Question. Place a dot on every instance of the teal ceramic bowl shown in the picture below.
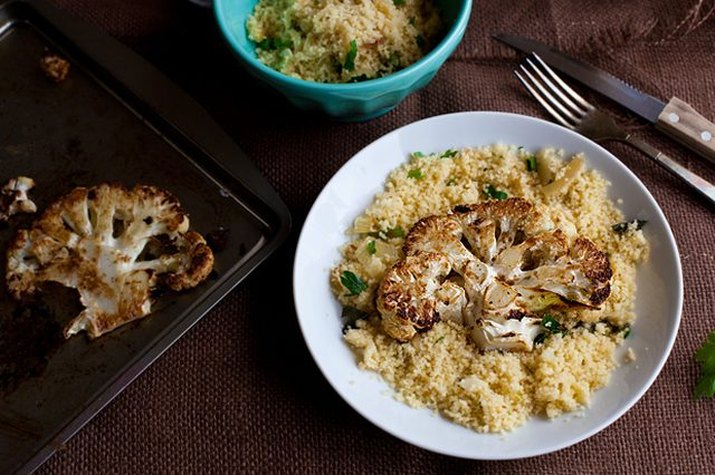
(352, 101)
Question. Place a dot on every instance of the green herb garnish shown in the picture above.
(449, 153)
(439, 339)
(622, 228)
(416, 173)
(412, 20)
(551, 324)
(397, 231)
(706, 356)
(353, 283)
(398, 3)
(451, 182)
(271, 44)
(494, 193)
(371, 248)
(417, 154)
(349, 64)
(531, 163)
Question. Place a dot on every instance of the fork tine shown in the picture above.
(536, 95)
(565, 87)
(548, 95)
(565, 100)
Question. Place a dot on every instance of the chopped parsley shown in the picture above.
(494, 193)
(439, 339)
(397, 231)
(531, 163)
(398, 3)
(449, 153)
(411, 21)
(394, 59)
(451, 182)
(349, 64)
(271, 44)
(624, 227)
(706, 356)
(552, 325)
(353, 283)
(371, 248)
(417, 154)
(416, 173)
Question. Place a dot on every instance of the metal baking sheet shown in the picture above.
(115, 118)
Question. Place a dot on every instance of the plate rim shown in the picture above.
(670, 241)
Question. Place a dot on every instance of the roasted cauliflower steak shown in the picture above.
(494, 266)
(115, 246)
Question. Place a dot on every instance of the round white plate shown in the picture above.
(351, 190)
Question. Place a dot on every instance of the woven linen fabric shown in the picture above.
(240, 392)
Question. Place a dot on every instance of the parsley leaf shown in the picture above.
(397, 231)
(270, 44)
(398, 3)
(551, 324)
(371, 248)
(349, 63)
(531, 163)
(416, 173)
(417, 154)
(449, 153)
(353, 283)
(622, 228)
(451, 182)
(706, 356)
(494, 193)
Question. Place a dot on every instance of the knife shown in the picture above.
(677, 118)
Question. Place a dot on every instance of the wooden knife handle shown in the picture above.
(679, 120)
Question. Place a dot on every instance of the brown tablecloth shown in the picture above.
(240, 391)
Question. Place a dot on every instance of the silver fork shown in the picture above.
(573, 111)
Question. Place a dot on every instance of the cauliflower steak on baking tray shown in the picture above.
(494, 266)
(114, 246)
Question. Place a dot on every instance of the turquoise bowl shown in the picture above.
(352, 101)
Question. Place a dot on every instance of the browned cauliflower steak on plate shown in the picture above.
(494, 266)
(115, 246)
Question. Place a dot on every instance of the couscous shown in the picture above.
(336, 41)
(442, 368)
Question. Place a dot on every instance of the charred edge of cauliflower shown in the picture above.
(406, 296)
(596, 266)
(103, 242)
(14, 198)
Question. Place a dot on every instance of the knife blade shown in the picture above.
(676, 118)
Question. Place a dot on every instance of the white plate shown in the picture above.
(351, 190)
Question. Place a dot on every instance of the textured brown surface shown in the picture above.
(240, 391)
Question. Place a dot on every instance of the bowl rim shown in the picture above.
(445, 47)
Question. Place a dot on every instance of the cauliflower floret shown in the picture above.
(114, 246)
(414, 293)
(14, 199)
(511, 264)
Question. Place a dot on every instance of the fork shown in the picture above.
(574, 112)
